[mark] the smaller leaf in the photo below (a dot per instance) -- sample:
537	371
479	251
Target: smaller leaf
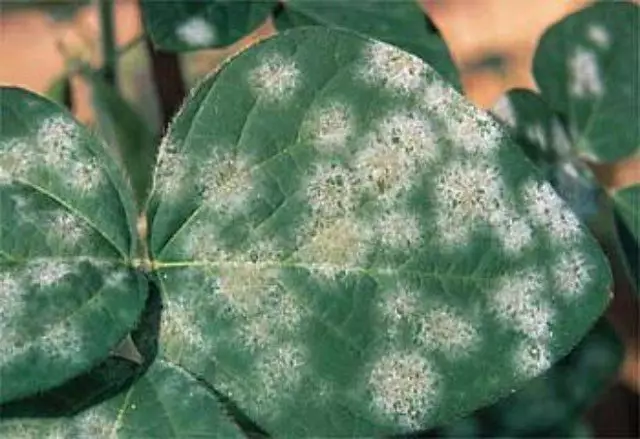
586	67
60	91
627	220
182	25
165	403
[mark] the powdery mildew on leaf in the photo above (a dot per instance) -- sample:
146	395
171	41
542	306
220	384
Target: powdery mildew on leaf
504	111
572	273
512	229
392	68
196	31
47	273
331	191
171	169
14	161
201	243
532	357
472	130
227	182
63	342
550	212
585	80
404	388
96	423
179	325
11	297
330	126
599	36
447	331
275	79
67	228
398	229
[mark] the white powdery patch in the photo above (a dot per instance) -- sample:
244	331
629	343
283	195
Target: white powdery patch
95	423
584	73
472	130
279	372
398	307
85	176
196	32
504	111
179	326
467	192
572	273
48	273
532	357
57	138
398	229
227	183
171	168
392	67
518	302
550	212
67	227
11	298
275	79
15	159
63	342
599	36
331	191
401	145
436	95
404	388
513	230
331	126
200	243
444	330
335	247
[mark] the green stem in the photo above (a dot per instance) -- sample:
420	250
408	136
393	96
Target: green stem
108	41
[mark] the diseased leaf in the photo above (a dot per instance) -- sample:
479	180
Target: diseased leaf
401	23
182	25
627	220
66	236
347	247
165	403
586	67
128	134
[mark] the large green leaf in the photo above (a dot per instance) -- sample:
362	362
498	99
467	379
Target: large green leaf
587	69
401	23
182	25
165	403
127	133
627	220
348	247
67	225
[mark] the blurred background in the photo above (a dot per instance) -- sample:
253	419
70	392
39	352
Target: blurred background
492	43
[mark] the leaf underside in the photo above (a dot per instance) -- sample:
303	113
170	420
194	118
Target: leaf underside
586	67
67	294
347	247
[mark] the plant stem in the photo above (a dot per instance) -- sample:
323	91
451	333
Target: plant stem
108	41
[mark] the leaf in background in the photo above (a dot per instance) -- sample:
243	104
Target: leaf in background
182	25
627	220
547	405
586	67
67	233
543	137
401	23
128	135
164	403
59	91
347	247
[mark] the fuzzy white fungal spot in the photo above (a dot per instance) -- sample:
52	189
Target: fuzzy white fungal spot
330	127
504	111
444	330
401	145
179	326
11	298
196	32
200	243
331	191
278	374
397	229
404	388
227	183
48	273
96	423
518	302
67	227
397	307
63	342
15	159
466	192
171	168
572	273
392	67
585	79
275	79
513	231
549	211
436	95
599	36
472	130
86	176
57	138
532	358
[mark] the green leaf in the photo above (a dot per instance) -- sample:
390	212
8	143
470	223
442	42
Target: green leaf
401	23
586	67
60	92
128	134
182	25
627	220
347	247
165	403
66	236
